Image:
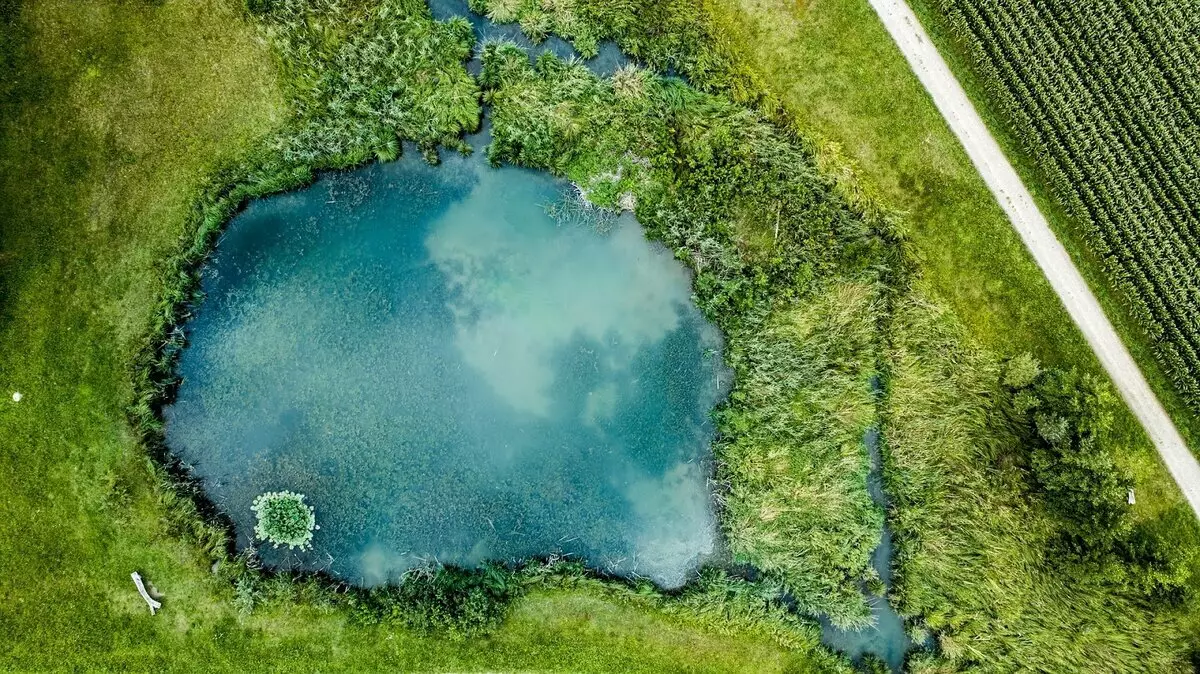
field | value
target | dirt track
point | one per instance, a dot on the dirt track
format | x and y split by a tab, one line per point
1006	186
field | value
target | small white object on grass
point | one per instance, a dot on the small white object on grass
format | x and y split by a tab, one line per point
16	396
137	580
1132	500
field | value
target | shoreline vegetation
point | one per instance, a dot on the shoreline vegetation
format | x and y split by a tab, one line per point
814	302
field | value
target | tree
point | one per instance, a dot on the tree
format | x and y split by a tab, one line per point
1066	419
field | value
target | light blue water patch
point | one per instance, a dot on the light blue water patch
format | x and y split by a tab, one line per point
452	375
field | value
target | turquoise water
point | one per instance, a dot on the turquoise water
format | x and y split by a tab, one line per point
452	375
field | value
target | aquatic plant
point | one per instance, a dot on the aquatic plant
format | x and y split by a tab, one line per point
284	519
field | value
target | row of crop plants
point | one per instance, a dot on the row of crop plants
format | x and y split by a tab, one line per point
1106	96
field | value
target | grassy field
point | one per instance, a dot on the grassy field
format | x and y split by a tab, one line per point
838	73
111	115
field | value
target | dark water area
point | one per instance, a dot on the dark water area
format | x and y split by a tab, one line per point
887	638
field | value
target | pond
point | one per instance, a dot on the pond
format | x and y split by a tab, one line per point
462	363
455	364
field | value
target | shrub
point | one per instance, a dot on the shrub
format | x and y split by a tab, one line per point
1021	371
454	602
1065	419
1156	560
284	519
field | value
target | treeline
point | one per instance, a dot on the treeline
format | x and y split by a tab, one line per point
1106	97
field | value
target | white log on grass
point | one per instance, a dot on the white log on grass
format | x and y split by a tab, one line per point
154	604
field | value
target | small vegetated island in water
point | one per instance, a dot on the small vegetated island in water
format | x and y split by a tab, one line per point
453	366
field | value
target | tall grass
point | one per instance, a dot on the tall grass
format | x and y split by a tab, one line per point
363	76
792	451
971	541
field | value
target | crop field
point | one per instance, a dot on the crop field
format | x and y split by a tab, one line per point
1107	99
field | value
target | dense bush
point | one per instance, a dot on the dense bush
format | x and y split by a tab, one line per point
1066	420
1156	561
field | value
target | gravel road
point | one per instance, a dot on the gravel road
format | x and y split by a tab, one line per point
1050	255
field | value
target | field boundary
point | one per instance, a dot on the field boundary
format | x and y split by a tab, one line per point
1008	189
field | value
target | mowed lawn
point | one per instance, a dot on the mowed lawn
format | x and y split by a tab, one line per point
835	69
111	115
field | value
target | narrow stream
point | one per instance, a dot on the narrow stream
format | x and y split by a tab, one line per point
886	639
